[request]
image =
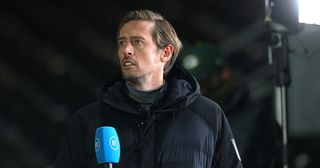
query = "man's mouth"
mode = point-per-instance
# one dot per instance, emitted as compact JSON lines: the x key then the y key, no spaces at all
{"x":128,"y":63}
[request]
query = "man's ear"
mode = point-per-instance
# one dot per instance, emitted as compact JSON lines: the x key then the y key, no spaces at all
{"x":166,"y":53}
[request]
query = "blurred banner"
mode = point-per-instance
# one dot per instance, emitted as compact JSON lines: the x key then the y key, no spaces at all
{"x":304,"y":91}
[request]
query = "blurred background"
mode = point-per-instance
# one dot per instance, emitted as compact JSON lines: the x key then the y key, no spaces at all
{"x":55,"y":56}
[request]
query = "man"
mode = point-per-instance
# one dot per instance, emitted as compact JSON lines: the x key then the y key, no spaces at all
{"x":155,"y":105}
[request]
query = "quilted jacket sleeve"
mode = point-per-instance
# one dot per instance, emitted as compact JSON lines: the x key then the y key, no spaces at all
{"x":226,"y":152}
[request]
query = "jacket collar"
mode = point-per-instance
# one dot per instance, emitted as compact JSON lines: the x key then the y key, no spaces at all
{"x":181,"y":90}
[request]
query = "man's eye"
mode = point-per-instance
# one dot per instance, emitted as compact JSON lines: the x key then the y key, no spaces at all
{"x":121,"y":43}
{"x":136,"y":42}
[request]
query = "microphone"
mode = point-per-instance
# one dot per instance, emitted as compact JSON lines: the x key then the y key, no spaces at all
{"x":107,"y":146}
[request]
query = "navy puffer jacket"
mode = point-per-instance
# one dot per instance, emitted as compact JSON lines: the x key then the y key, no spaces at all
{"x":183,"y":129}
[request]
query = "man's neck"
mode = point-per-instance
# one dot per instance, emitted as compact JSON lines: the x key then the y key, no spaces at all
{"x":145,"y":86}
{"x":144,"y":98}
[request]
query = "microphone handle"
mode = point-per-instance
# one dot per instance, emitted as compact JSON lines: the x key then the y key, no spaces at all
{"x":109,"y":165}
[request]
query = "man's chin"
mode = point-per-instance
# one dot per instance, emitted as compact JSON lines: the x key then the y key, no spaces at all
{"x":127,"y":76}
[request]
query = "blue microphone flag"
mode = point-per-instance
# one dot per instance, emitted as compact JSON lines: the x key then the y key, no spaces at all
{"x":107,"y":145}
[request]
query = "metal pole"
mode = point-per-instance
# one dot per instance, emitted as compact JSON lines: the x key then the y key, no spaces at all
{"x":278,"y":56}
{"x":283,"y":92}
{"x":109,"y":165}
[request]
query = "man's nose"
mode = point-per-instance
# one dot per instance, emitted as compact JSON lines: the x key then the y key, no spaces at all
{"x":128,"y":50}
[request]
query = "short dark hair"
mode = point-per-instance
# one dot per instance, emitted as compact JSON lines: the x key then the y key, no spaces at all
{"x":163,"y":33}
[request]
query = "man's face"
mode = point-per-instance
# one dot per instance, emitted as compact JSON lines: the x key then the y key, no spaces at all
{"x":139,"y":56}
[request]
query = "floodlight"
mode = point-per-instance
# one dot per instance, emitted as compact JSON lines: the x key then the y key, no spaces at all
{"x":309,"y":11}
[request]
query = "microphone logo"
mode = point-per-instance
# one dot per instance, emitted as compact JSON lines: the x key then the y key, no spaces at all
{"x":97,"y":144}
{"x":114,"y":143}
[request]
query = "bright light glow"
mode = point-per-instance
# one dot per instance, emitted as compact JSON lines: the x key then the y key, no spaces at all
{"x":309,"y":11}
